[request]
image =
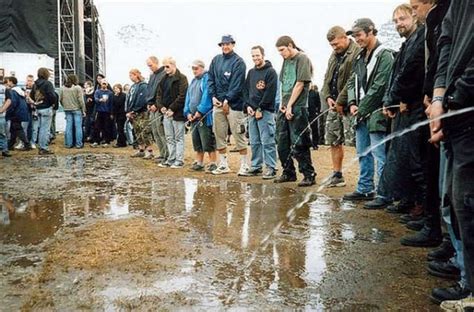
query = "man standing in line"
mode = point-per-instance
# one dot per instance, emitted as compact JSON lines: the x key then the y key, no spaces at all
{"x":156,"y":117}
{"x":259,"y":93}
{"x":226,"y":81}
{"x":366,"y":89}
{"x":293,"y":133}
{"x":334,"y":92}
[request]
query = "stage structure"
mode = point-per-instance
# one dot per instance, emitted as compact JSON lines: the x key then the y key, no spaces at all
{"x":69,"y":31}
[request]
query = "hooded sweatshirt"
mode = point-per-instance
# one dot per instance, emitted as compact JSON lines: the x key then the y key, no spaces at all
{"x":43,"y":93}
{"x":18,"y":109}
{"x":261,"y":87}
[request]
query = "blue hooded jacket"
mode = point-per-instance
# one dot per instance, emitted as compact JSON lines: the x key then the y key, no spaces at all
{"x":227,"y":78}
{"x":205,"y":104}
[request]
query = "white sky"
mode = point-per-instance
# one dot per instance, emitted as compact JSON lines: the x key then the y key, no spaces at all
{"x":188,"y":30}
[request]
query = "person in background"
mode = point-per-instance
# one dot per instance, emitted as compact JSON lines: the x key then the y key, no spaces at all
{"x":103,"y":98}
{"x":90,"y":111}
{"x":32,"y":131}
{"x":3,"y":126}
{"x":44,"y":98}
{"x":72,"y":99}
{"x":119,"y":115}
{"x":314,"y":109}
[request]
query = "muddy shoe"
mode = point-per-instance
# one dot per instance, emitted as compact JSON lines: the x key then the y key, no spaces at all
{"x":285,"y":178}
{"x":6,"y":154}
{"x":269,"y":174}
{"x":402,"y":207}
{"x":221,"y":170}
{"x":444,"y":269}
{"x":463,"y":305}
{"x":307,"y":181}
{"x":377,"y":203}
{"x":336,"y":181}
{"x":358,"y":196}
{"x":443,"y":253}
{"x":45,"y":152}
{"x":416,"y":225}
{"x":455,"y":292}
{"x":252,"y":172}
{"x":424,"y":238}
{"x":211,"y":168}
{"x":138,"y":154}
{"x":197,"y":167}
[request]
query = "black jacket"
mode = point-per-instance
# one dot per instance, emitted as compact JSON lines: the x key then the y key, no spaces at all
{"x":433,"y":32}
{"x":118,"y":108}
{"x":408,"y":73}
{"x":260,"y":88}
{"x":456,"y":55}
{"x":179,"y":86}
{"x":153,"y":83}
{"x":43,"y":90}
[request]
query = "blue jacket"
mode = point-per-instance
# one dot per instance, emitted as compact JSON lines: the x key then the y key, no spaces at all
{"x":18,"y":109}
{"x":136,"y":98}
{"x":101,"y":106}
{"x":205,"y":104}
{"x":227,"y":79}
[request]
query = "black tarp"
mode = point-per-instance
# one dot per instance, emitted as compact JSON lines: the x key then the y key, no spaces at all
{"x":29,"y":26}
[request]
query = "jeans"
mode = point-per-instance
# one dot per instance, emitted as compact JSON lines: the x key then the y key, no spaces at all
{"x":174,"y":132}
{"x":364,"y":141}
{"x":73,"y":128}
{"x":34,"y":129}
{"x":128,"y":129}
{"x":3,"y":134}
{"x":45,"y":117}
{"x":158,"y":131}
{"x":262,"y":140}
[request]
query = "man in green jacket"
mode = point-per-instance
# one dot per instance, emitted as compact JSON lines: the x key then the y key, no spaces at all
{"x":366,"y":89}
{"x":334,"y":92}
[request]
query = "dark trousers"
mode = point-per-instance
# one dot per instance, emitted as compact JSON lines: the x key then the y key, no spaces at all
{"x":17,"y":131}
{"x":292,"y":142}
{"x":460,"y":152}
{"x":120,"y":124}
{"x":102,"y":129}
{"x":312,"y":115}
{"x":89,"y":126}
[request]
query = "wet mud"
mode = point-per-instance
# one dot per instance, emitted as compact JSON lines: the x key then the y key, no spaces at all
{"x":104,"y":232}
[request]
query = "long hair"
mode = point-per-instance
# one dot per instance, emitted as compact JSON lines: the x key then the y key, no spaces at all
{"x":43,"y":73}
{"x":138,"y":73}
{"x":286,"y":41}
{"x":71,"y":80}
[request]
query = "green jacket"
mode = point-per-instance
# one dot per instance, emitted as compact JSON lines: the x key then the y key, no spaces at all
{"x":378,"y":73}
{"x":345,"y":71}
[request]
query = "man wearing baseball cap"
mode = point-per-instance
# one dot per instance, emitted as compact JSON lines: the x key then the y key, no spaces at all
{"x":226,"y":82}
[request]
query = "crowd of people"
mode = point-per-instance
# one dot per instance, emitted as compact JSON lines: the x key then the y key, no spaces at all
{"x":373,"y":94}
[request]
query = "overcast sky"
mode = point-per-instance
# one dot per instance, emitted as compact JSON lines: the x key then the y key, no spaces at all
{"x":188,"y":30}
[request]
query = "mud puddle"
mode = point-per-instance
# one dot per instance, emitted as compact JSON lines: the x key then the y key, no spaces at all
{"x":98,"y":232}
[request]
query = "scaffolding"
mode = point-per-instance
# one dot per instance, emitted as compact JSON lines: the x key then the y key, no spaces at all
{"x":67,"y":39}
{"x":93,"y":42}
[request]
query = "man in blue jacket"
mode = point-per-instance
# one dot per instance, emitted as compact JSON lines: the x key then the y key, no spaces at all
{"x":198,"y":111}
{"x":226,"y":81}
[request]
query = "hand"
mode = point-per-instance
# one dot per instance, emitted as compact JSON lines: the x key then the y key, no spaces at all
{"x":283,"y":109}
{"x":225,"y":107}
{"x":436,"y":128}
{"x":354,"y":109}
{"x":403,"y":108}
{"x":83,"y":114}
{"x":169,"y":113}
{"x":258,"y":114}
{"x":112,"y":117}
{"x":428,"y":111}
{"x":388,"y":113}
{"x":163,"y":110}
{"x":288,"y":114}
{"x":130,"y":115}
{"x":340,"y":108}
{"x":190,"y":118}
{"x":427,"y":101}
{"x":250,"y":111}
{"x":216,"y":102}
{"x":197,"y":116}
{"x":331,"y":104}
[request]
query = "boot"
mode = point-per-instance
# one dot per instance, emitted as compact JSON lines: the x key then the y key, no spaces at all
{"x":426,"y":237}
{"x":455,"y":292}
{"x":416,"y":225}
{"x":403,"y":206}
{"x":416,"y":213}
{"x":444,"y":252}
{"x":444,"y":269}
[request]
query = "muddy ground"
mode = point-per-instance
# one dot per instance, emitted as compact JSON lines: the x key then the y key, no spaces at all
{"x":94,"y":229}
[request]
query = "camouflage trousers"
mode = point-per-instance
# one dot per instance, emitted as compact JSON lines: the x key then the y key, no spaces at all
{"x":339,"y":129}
{"x":142,"y":129}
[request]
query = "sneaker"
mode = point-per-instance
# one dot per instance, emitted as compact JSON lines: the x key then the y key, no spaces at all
{"x":19,"y":146}
{"x":95,"y":144}
{"x":211,"y":168}
{"x":221,"y":170}
{"x":138,"y":154}
{"x":307,"y":181}
{"x":164,"y":164}
{"x":243,"y":171}
{"x":33,"y":145}
{"x":336,"y":181}
{"x":466,"y":305}
{"x":358,"y":196}
{"x":197,"y":167}
{"x":105,"y":145}
{"x":148,"y":156}
{"x":45,"y":152}
{"x":177,"y":165}
{"x":252,"y":172}
{"x":285,"y":178}
{"x":269,"y":174}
